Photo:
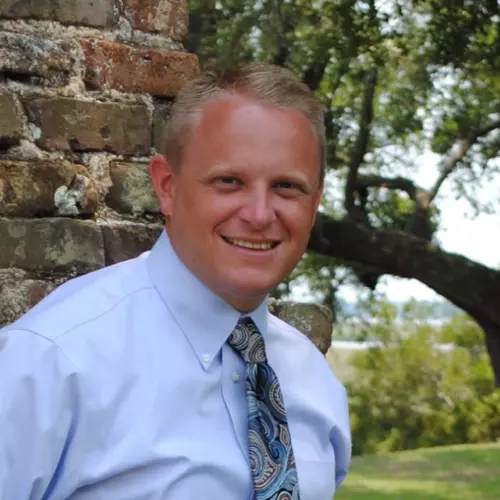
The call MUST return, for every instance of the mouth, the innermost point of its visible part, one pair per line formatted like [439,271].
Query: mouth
[252,245]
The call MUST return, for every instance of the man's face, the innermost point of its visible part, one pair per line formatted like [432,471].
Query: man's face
[241,207]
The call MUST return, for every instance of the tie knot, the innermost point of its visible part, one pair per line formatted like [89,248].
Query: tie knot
[248,342]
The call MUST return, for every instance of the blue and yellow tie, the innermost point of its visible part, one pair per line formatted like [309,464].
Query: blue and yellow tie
[269,444]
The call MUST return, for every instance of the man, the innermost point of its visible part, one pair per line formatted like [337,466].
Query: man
[165,377]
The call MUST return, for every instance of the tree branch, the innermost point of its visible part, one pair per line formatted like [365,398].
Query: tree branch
[362,140]
[486,130]
[462,148]
[419,195]
[314,73]
[282,29]
[394,183]
[471,286]
[464,282]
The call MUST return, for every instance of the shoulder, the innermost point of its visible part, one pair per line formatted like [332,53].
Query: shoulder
[85,300]
[310,385]
[283,332]
[300,360]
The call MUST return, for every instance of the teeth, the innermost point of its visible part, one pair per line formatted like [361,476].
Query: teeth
[248,244]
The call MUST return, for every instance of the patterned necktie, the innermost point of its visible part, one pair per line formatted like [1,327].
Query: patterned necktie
[270,448]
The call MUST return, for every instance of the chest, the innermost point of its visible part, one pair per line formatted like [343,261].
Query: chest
[181,434]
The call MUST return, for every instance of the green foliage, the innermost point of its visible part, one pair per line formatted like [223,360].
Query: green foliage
[462,32]
[406,393]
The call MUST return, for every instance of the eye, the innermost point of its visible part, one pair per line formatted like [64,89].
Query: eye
[284,185]
[227,183]
[228,180]
[288,188]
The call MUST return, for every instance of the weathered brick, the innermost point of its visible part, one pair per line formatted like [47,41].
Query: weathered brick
[101,13]
[70,124]
[40,188]
[19,292]
[126,241]
[161,115]
[51,245]
[313,320]
[131,191]
[168,17]
[27,55]
[11,121]
[129,69]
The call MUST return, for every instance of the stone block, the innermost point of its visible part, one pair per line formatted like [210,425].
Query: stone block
[161,115]
[313,320]
[19,293]
[142,70]
[131,191]
[100,13]
[70,124]
[127,241]
[11,120]
[51,245]
[168,17]
[40,188]
[24,56]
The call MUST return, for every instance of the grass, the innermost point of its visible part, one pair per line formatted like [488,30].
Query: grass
[464,472]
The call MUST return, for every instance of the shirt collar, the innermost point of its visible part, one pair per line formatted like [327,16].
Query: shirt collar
[205,319]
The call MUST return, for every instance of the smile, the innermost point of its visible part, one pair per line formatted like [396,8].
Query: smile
[264,245]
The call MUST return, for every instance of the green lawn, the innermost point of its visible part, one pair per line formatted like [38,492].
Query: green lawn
[466,472]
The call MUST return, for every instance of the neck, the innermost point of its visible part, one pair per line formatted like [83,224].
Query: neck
[244,305]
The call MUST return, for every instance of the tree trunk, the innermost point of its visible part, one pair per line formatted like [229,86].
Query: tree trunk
[469,285]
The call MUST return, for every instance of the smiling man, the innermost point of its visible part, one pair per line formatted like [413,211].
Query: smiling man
[165,377]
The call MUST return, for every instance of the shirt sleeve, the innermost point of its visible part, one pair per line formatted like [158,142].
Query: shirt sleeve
[340,434]
[340,437]
[38,409]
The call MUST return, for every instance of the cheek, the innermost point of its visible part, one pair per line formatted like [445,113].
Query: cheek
[207,209]
[295,215]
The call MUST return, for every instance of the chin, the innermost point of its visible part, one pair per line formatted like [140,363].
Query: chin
[251,289]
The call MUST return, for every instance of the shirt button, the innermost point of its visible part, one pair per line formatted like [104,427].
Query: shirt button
[205,358]
[236,377]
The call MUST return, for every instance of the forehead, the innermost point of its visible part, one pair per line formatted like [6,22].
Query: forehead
[242,126]
[237,111]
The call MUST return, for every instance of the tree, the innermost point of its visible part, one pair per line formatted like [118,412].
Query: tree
[431,395]
[396,78]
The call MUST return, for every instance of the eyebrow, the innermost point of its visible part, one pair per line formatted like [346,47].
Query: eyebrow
[221,168]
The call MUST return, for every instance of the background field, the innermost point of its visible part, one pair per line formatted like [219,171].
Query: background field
[338,359]
[464,472]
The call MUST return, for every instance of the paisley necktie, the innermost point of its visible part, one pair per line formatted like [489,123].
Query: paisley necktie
[270,448]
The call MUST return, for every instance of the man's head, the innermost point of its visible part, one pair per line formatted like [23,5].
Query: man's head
[241,177]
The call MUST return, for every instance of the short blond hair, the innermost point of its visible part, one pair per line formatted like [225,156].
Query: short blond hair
[265,82]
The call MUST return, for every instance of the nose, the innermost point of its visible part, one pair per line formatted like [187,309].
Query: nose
[257,210]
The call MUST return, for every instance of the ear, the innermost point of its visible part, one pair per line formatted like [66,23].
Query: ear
[162,178]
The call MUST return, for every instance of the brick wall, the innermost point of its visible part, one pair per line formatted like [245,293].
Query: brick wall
[85,89]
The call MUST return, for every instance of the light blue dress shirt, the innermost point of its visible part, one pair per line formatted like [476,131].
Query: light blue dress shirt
[120,386]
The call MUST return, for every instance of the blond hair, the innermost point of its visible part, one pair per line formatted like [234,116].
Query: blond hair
[265,82]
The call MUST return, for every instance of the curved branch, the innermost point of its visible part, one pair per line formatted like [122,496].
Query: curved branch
[471,286]
[419,195]
[464,282]
[461,149]
[394,183]
[360,146]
